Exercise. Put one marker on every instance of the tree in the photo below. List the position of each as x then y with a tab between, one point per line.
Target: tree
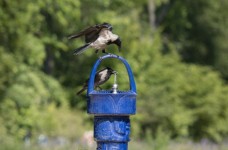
198	30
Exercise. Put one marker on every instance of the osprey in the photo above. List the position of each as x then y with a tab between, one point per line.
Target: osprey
100	78
97	37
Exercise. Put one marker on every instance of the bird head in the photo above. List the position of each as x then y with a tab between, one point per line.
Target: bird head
107	25
111	71
118	43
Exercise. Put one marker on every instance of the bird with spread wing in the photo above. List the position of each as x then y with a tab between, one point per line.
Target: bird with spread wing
98	37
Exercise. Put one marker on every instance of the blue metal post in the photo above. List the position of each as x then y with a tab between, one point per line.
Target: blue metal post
111	110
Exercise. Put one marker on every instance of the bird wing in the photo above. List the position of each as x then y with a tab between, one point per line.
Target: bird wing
83	32
92	36
91	33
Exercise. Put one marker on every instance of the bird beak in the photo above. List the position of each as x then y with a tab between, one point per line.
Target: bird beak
110	28
118	43
114	72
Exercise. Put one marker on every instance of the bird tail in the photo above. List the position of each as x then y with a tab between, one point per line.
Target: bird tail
82	90
81	49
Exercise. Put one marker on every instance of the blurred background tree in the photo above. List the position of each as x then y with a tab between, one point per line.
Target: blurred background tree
177	50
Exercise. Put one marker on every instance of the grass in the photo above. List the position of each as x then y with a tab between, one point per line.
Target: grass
133	145
150	144
178	145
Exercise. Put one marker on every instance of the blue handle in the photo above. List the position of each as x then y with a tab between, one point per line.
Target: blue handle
93	72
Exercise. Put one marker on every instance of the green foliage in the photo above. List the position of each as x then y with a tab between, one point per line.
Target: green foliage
198	28
7	68
180	98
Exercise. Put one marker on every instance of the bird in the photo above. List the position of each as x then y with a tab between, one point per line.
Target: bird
98	37
101	77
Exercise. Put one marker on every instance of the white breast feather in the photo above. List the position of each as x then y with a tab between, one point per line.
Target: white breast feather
103	74
104	37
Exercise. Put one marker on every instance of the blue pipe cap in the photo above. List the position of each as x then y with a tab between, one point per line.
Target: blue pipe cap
105	102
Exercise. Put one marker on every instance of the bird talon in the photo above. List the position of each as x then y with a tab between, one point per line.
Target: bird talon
113	55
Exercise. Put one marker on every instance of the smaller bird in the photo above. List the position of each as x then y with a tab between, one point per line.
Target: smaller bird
97	37
100	78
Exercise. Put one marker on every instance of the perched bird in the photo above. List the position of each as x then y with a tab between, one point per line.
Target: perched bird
100	78
97	37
